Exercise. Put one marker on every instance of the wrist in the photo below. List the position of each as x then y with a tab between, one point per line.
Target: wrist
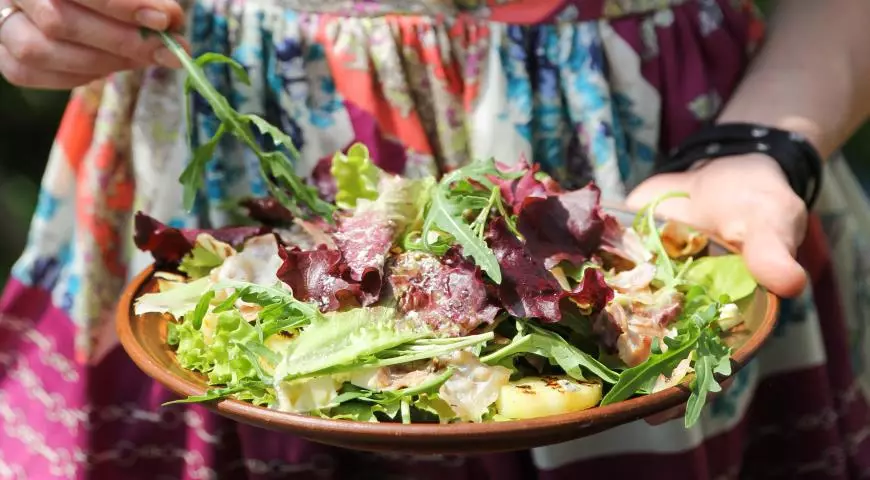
797	159
802	127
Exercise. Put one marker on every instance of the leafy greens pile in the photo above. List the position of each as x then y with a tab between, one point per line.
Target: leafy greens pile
490	294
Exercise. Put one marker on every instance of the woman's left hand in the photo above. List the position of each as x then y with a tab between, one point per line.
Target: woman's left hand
746	201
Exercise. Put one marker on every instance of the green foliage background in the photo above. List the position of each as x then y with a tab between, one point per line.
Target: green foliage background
29	119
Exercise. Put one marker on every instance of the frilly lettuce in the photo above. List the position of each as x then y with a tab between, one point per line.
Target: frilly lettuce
356	177
220	355
402	200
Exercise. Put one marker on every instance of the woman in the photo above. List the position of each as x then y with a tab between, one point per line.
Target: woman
588	88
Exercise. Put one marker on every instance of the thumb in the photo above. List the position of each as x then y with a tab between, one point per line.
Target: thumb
771	262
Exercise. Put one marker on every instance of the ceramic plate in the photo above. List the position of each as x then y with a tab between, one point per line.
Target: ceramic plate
144	339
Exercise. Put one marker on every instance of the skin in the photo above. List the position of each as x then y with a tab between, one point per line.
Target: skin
811	77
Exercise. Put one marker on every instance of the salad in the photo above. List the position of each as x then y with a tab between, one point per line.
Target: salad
489	294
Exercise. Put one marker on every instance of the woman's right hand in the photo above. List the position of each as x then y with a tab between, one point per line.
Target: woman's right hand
61	44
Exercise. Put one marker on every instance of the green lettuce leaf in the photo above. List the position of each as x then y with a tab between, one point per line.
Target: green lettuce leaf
177	301
342	339
724	275
217	348
364	338
401	200
356	176
207	253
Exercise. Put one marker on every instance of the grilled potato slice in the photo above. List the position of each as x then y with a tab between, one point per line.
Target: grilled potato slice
533	397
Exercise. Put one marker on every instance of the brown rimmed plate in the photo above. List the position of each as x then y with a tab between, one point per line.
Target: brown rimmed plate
144	339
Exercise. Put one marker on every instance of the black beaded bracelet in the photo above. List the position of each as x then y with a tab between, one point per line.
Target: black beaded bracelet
799	160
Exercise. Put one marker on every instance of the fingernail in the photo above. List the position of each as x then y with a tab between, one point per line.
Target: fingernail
166	58
152	19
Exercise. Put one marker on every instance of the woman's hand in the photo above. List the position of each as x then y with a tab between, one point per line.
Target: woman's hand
60	44
747	201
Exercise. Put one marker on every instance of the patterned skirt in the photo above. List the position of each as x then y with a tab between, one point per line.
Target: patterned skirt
589	89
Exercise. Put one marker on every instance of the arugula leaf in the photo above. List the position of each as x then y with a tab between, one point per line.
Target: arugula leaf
250	351
444	216
711	357
658	363
279	138
351	395
193	176
645	225
266	297
480	171
722	275
454	198
201	309
210	395
275	167
422	349
211	57
356	176
353	410
359	403
548	344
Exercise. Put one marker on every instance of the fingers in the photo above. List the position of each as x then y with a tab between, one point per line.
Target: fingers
31	49
767	224
158	15
770	245
770	259
68	22
58	44
19	74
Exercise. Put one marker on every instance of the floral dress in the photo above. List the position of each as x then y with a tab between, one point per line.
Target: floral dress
589	89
